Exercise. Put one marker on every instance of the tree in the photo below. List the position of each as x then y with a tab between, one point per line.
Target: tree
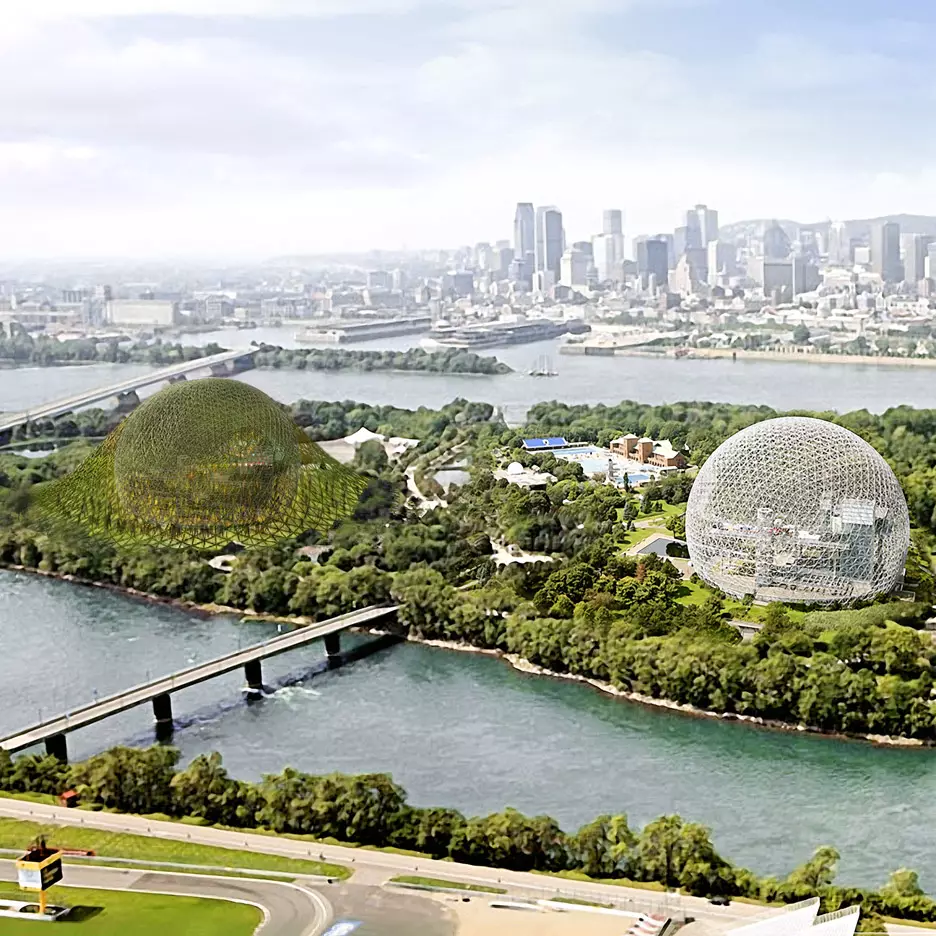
205	791
679	854
128	779
902	883
818	872
801	334
371	456
604	847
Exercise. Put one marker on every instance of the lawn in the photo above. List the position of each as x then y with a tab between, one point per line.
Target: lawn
695	593
15	833
117	913
664	513
438	882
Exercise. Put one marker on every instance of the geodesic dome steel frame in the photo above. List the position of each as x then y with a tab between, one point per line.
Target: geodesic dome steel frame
202	464
798	509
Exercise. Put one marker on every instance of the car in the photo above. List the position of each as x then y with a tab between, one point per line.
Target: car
719	901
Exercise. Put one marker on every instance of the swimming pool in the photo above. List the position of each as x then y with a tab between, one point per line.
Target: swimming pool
581	450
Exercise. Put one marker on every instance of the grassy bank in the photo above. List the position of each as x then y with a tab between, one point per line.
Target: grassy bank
116	913
15	833
453	885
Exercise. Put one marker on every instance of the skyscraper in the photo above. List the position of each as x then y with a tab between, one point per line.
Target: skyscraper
549	240
839	247
604	257
524	230
777	245
721	260
929	264
612	221
693	230
574	265
885	251
915	247
704	220
680	243
657	251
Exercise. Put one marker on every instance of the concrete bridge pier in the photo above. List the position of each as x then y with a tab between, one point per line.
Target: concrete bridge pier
56	746
253	671
333	650
177	379
126	402
162	711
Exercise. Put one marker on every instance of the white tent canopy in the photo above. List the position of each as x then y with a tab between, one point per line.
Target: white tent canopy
361	436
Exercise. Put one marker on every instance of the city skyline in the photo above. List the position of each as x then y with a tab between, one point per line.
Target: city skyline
158	128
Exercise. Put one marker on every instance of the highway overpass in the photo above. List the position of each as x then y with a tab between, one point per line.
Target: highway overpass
224	364
52	732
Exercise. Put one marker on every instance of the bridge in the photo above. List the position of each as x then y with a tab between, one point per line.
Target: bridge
220	365
52	732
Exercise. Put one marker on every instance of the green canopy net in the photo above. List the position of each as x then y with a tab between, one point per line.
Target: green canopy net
202	464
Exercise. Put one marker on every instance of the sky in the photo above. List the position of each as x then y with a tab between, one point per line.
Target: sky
246	129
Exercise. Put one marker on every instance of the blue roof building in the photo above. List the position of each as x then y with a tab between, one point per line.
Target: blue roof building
542	445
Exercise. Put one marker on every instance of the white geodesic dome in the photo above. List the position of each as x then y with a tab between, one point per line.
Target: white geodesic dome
798	509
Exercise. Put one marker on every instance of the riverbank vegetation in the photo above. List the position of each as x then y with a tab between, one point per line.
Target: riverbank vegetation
592	611
20	348
417	360
372	810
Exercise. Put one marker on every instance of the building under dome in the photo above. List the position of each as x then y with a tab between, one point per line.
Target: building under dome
797	509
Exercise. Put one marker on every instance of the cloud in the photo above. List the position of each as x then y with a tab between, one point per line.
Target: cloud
265	126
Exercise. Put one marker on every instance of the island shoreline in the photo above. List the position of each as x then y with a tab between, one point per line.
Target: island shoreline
515	661
740	354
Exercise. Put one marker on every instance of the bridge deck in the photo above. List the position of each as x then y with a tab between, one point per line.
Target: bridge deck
66	404
146	692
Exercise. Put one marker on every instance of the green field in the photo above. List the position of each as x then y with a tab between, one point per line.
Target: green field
15	833
438	882
116	913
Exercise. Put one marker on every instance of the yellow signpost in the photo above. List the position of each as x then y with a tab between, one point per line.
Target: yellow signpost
38	870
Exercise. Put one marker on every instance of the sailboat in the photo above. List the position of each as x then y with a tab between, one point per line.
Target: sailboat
542	367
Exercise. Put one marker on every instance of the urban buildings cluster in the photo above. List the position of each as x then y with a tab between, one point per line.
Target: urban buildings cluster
856	287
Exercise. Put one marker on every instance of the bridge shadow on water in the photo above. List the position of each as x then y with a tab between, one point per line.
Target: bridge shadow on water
209	713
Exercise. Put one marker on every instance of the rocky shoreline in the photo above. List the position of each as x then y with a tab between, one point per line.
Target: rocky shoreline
525	666
518	663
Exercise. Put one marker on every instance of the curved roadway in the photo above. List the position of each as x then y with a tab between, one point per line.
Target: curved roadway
288	909
374	868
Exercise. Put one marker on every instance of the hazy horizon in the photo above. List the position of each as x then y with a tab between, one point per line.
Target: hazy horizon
252	129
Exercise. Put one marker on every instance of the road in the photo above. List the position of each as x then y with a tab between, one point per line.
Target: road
372	868
288	909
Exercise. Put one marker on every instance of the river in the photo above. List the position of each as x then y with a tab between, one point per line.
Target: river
538	744
541	745
581	379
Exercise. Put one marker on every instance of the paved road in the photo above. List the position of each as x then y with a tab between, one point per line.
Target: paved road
374	868
288	910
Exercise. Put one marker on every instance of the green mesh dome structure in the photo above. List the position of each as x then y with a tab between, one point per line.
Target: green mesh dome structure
202	464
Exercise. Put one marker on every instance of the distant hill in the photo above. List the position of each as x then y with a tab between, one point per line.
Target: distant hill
858	227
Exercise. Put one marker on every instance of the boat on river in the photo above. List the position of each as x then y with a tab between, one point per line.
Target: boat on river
542	367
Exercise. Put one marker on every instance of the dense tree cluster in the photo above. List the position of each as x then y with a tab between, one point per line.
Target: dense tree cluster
20	347
449	361
370	809
591	610
853	672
